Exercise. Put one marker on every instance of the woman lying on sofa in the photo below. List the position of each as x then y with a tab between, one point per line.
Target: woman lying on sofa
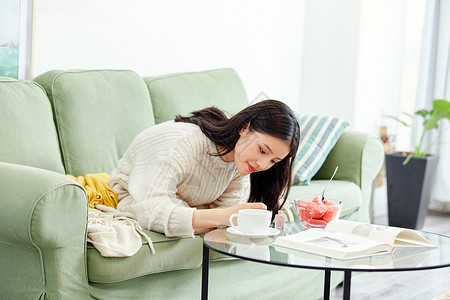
187	176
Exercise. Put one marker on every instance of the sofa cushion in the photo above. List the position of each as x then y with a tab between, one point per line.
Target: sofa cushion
27	131
346	191
183	93
171	254
318	136
97	114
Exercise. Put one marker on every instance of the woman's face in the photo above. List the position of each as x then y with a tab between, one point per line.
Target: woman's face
256	152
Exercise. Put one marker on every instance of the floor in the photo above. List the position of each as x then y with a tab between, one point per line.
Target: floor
420	285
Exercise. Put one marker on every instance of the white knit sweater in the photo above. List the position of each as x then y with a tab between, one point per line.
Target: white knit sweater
168	172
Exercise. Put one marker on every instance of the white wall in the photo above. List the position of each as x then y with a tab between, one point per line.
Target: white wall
261	40
329	57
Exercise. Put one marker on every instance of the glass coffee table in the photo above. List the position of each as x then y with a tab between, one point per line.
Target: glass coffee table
261	250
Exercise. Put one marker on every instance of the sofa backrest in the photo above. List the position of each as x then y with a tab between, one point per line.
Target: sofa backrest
97	114
27	132
183	93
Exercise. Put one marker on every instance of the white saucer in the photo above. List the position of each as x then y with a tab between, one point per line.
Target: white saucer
269	232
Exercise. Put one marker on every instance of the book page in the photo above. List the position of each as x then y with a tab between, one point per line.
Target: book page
333	244
410	237
383	234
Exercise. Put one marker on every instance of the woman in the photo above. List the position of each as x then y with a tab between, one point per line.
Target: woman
187	176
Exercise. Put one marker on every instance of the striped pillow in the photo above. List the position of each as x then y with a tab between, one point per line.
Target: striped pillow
318	136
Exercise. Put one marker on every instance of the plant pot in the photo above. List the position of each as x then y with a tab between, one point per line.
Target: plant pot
409	189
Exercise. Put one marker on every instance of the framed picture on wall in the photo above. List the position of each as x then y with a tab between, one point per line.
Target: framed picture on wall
16	38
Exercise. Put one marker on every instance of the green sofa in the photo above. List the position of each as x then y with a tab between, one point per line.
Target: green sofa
82	121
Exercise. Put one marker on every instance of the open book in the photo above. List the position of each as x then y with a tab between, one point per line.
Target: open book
349	239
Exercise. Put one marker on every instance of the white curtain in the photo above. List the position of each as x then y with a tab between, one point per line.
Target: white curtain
389	48
434	83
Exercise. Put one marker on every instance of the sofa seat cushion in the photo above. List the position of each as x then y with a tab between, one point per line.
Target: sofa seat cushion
183	93
97	114
346	191
27	131
171	254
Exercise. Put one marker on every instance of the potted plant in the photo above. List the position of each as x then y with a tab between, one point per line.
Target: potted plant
410	175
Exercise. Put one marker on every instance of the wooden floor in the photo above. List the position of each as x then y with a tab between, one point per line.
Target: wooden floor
420	285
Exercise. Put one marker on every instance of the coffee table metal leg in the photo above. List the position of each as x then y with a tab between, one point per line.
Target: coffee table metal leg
326	285
205	272
347	284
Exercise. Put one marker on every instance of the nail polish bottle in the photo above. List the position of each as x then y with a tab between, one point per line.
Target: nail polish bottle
279	221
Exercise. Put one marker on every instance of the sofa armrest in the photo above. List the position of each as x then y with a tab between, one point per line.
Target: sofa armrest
43	225
359	156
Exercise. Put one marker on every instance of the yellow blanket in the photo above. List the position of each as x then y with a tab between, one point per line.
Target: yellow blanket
97	189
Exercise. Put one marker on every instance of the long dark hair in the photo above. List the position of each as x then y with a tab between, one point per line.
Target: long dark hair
270	117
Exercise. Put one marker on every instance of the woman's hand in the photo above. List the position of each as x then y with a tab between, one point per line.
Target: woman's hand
217	217
234	209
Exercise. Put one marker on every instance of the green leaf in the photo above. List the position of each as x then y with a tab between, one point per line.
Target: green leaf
398	119
441	108
431	123
441	111
441	104
423	113
408	114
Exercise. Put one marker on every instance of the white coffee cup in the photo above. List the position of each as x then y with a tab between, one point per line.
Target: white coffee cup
252	221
